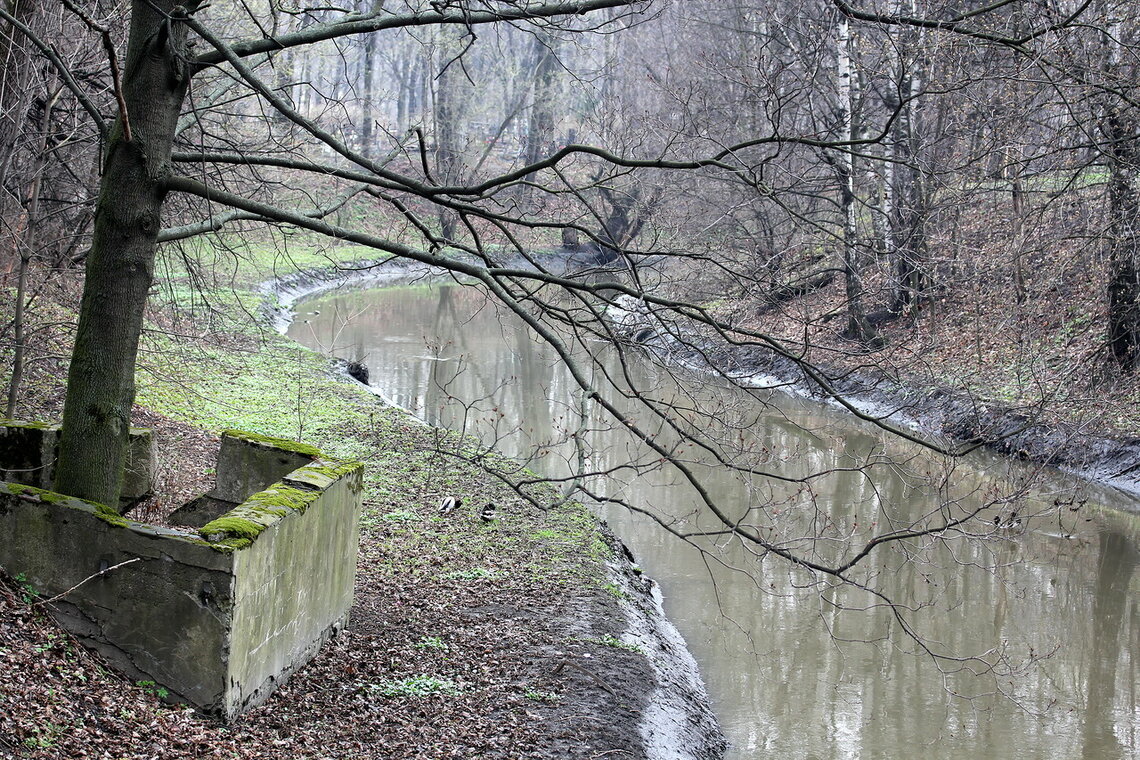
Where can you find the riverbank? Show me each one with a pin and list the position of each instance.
(527, 637)
(782, 683)
(956, 418)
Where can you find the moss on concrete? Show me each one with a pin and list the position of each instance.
(246, 521)
(278, 499)
(101, 511)
(281, 443)
(28, 425)
(323, 474)
(110, 516)
(333, 468)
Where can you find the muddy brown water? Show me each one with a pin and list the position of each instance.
(1037, 630)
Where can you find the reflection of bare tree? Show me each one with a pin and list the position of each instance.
(1116, 564)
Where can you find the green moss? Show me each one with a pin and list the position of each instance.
(110, 516)
(279, 499)
(233, 526)
(324, 474)
(333, 469)
(278, 443)
(246, 521)
(26, 425)
(103, 512)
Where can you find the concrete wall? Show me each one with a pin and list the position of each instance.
(292, 592)
(158, 618)
(218, 616)
(248, 463)
(28, 453)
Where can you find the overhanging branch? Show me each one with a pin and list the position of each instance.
(379, 21)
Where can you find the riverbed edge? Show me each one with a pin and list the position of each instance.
(678, 722)
(953, 418)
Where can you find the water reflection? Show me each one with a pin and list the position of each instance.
(793, 669)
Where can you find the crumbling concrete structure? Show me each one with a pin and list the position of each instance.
(219, 615)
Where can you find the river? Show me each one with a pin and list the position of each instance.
(1035, 633)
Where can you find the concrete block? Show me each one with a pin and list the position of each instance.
(247, 463)
(220, 617)
(28, 451)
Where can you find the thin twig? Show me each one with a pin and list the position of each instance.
(104, 571)
(567, 664)
(116, 75)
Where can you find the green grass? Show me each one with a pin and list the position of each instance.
(547, 697)
(432, 642)
(251, 379)
(236, 261)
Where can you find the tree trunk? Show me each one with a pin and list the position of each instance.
(1124, 241)
(858, 328)
(368, 64)
(17, 75)
(283, 65)
(449, 106)
(120, 266)
(28, 248)
(909, 198)
(540, 129)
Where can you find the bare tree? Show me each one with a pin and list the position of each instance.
(734, 168)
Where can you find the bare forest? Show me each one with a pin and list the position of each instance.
(925, 213)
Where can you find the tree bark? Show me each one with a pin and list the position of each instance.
(28, 248)
(540, 128)
(858, 328)
(120, 266)
(368, 94)
(1123, 238)
(908, 193)
(1120, 127)
(449, 104)
(17, 74)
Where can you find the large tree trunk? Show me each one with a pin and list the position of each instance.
(450, 102)
(120, 266)
(858, 328)
(540, 128)
(1123, 237)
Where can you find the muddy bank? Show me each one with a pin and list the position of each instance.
(640, 688)
(941, 412)
(285, 291)
(634, 680)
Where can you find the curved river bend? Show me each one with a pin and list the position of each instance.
(790, 674)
